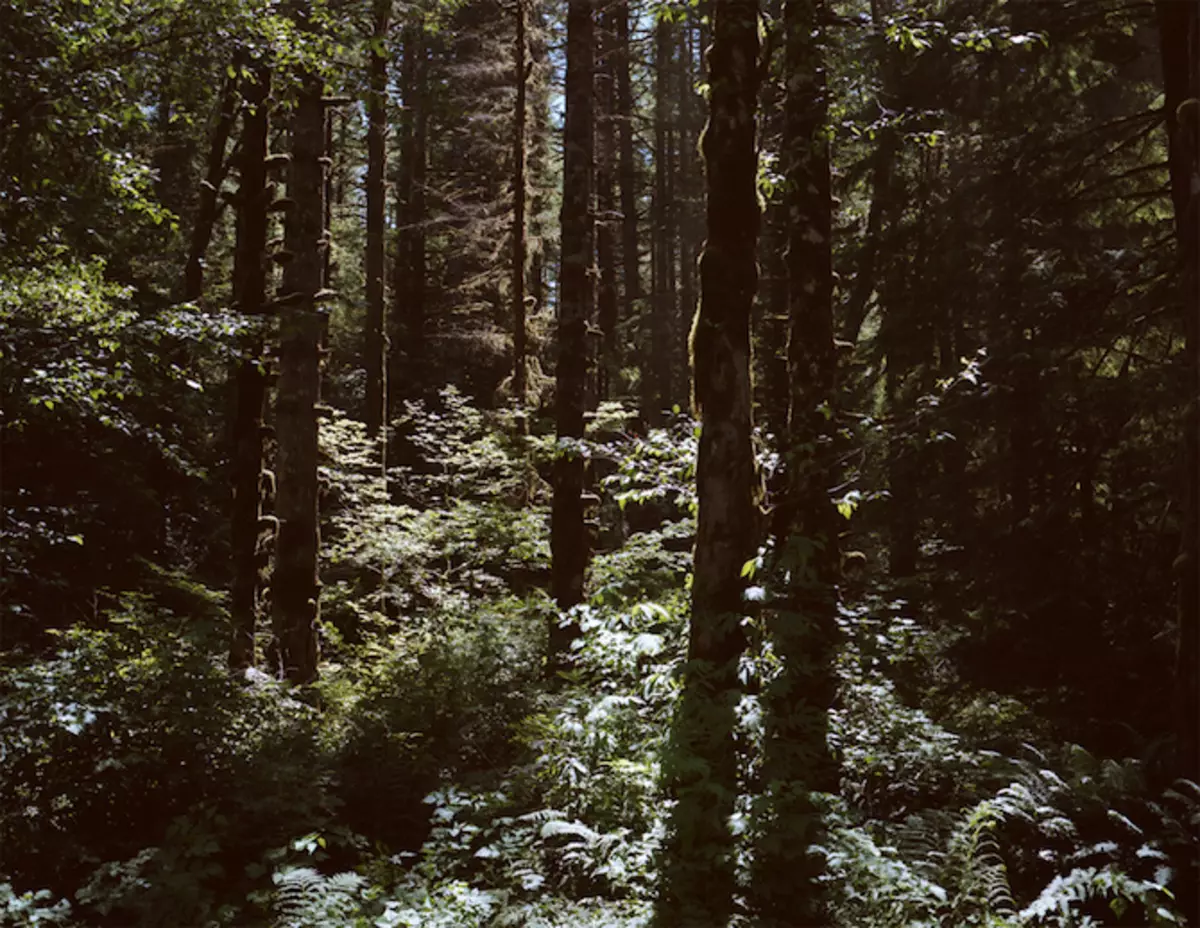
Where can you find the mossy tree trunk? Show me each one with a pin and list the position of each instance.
(296, 587)
(568, 532)
(697, 880)
(802, 628)
(250, 536)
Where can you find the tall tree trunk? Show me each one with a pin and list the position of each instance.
(296, 590)
(631, 284)
(685, 189)
(402, 262)
(248, 540)
(208, 207)
(698, 868)
(376, 258)
(416, 217)
(803, 629)
(609, 367)
(656, 364)
(1179, 25)
(521, 67)
(568, 533)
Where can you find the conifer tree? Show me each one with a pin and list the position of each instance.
(373, 349)
(568, 532)
(802, 627)
(697, 871)
(296, 587)
(249, 536)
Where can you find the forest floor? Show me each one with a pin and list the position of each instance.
(431, 778)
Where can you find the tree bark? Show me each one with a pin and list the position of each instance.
(416, 217)
(685, 195)
(803, 627)
(609, 367)
(631, 283)
(698, 868)
(568, 533)
(374, 348)
(250, 536)
(656, 366)
(296, 590)
(521, 66)
(402, 261)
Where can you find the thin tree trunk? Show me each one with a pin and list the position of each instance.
(376, 258)
(249, 536)
(631, 284)
(209, 204)
(609, 367)
(568, 533)
(296, 590)
(685, 188)
(521, 68)
(698, 869)
(416, 218)
(402, 262)
(656, 366)
(803, 628)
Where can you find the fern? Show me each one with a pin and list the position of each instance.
(306, 898)
(1057, 903)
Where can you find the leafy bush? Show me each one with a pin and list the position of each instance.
(233, 768)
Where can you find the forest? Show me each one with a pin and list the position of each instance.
(600, 463)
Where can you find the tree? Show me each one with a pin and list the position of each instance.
(697, 870)
(631, 283)
(568, 531)
(608, 365)
(803, 626)
(250, 275)
(521, 68)
(374, 351)
(296, 587)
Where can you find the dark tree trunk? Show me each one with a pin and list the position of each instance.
(685, 196)
(208, 207)
(609, 367)
(698, 868)
(1179, 25)
(631, 283)
(656, 364)
(568, 532)
(296, 590)
(416, 217)
(402, 263)
(803, 628)
(250, 535)
(374, 348)
(521, 66)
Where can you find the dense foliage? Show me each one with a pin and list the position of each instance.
(997, 723)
